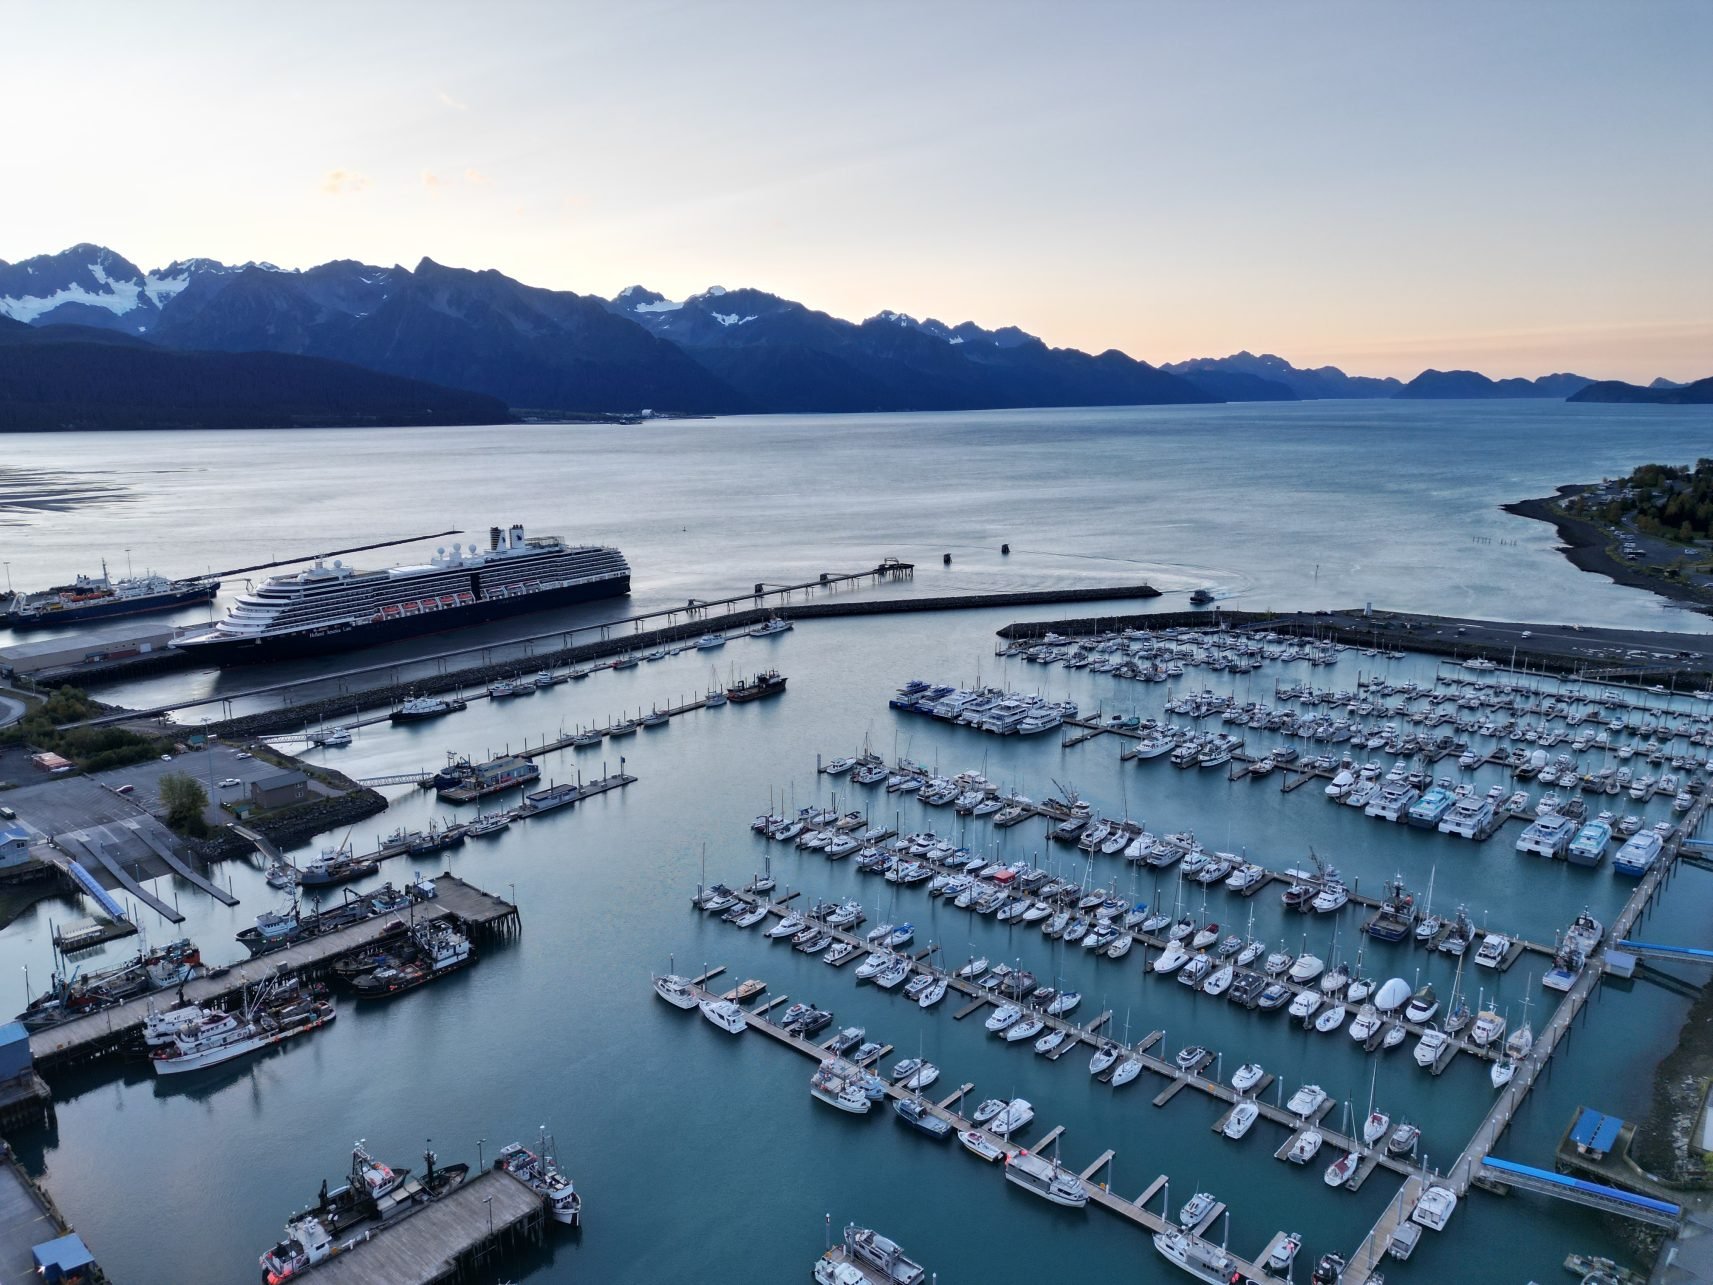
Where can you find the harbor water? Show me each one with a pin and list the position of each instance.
(701, 1157)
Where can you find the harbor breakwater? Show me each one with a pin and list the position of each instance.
(297, 714)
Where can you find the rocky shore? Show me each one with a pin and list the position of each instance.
(1589, 548)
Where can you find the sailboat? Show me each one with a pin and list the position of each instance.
(1523, 1038)
(1378, 1122)
(1457, 1015)
(1428, 926)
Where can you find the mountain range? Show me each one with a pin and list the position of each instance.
(721, 351)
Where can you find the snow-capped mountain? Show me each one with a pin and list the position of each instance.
(718, 351)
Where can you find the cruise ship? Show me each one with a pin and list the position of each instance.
(335, 608)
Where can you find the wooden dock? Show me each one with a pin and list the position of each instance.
(100, 1034)
(1132, 1211)
(453, 1239)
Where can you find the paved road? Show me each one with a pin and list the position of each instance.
(11, 710)
(1588, 645)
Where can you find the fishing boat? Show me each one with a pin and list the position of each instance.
(538, 1171)
(1047, 1179)
(979, 1144)
(1202, 1259)
(767, 683)
(271, 1016)
(867, 1246)
(917, 1115)
(430, 949)
(1195, 1209)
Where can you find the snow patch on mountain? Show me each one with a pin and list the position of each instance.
(119, 298)
(659, 305)
(730, 318)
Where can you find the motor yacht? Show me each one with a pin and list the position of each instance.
(1241, 1119)
(724, 1014)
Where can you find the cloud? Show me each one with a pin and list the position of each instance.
(343, 182)
(431, 180)
(450, 101)
(475, 176)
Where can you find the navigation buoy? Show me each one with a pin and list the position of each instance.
(1005, 548)
(946, 558)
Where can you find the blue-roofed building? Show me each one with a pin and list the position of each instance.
(14, 844)
(1594, 1133)
(66, 1260)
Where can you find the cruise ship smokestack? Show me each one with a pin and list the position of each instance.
(493, 537)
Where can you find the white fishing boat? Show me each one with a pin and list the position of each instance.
(1202, 1259)
(1046, 1179)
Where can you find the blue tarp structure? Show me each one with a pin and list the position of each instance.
(1594, 1131)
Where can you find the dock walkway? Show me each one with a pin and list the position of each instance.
(441, 1241)
(1132, 1211)
(143, 829)
(99, 1034)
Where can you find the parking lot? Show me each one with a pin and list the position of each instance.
(209, 766)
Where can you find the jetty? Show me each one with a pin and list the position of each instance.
(453, 1239)
(111, 1030)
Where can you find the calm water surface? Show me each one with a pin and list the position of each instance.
(702, 1157)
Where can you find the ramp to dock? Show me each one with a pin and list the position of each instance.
(90, 885)
(144, 830)
(1579, 1191)
(80, 844)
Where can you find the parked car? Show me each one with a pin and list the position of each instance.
(229, 782)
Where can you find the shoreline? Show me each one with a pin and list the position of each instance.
(1586, 545)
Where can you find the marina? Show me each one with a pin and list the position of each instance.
(1123, 1001)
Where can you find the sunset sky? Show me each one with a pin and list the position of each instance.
(1516, 187)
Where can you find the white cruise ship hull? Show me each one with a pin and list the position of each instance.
(222, 649)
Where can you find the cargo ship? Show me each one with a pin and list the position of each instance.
(98, 597)
(328, 608)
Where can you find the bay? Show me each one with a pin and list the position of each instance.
(702, 1157)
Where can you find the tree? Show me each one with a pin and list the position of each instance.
(185, 800)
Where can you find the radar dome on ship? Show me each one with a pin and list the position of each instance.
(1394, 994)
